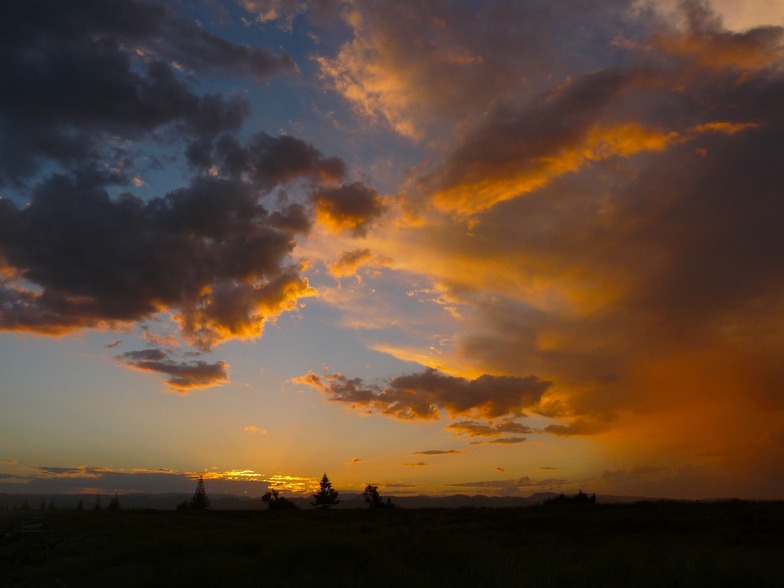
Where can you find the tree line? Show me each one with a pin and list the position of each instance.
(325, 498)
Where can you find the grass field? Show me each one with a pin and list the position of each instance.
(649, 544)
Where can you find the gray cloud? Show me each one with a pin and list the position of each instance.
(109, 66)
(183, 375)
(524, 482)
(265, 161)
(508, 440)
(209, 250)
(479, 429)
(437, 452)
(423, 395)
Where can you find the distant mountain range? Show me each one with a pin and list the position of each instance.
(233, 502)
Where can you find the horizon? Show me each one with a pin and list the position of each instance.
(470, 247)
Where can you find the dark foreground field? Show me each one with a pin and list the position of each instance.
(656, 544)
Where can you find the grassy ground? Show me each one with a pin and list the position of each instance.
(658, 544)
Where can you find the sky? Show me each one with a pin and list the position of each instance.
(496, 247)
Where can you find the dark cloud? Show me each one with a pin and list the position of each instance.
(437, 452)
(183, 375)
(508, 440)
(424, 395)
(524, 482)
(89, 479)
(265, 161)
(208, 251)
(78, 75)
(350, 207)
(580, 426)
(478, 429)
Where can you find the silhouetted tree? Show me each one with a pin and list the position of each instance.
(275, 501)
(114, 503)
(373, 498)
(200, 500)
(326, 496)
(43, 505)
(183, 506)
(80, 506)
(25, 505)
(51, 505)
(97, 505)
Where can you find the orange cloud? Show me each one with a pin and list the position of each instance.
(352, 208)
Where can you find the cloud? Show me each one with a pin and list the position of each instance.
(266, 161)
(508, 440)
(210, 252)
(355, 460)
(415, 464)
(184, 375)
(422, 396)
(437, 452)
(524, 482)
(425, 68)
(254, 430)
(579, 426)
(350, 207)
(477, 429)
(98, 480)
(349, 262)
(109, 64)
(608, 225)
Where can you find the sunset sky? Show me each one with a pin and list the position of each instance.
(491, 247)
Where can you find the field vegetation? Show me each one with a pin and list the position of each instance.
(643, 545)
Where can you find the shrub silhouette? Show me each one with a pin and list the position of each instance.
(326, 496)
(275, 501)
(579, 498)
(200, 500)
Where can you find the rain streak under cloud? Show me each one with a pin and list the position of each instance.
(530, 236)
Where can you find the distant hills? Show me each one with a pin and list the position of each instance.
(234, 502)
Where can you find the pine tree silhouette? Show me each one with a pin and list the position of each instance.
(200, 500)
(326, 496)
(114, 503)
